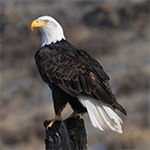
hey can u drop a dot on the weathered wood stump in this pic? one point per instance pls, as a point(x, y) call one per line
point(66, 135)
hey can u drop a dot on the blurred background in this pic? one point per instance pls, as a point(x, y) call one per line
point(116, 33)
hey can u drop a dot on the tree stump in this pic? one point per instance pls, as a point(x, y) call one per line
point(66, 135)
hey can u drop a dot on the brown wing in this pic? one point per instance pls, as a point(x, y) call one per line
point(76, 72)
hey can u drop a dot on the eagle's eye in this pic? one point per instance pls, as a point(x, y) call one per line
point(46, 21)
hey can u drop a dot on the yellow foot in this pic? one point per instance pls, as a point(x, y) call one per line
point(57, 118)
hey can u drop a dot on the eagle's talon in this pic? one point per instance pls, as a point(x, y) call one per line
point(46, 123)
point(51, 123)
point(57, 118)
point(47, 127)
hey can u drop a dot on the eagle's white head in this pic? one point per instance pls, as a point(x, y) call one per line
point(51, 30)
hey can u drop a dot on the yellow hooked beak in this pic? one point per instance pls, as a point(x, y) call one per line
point(37, 23)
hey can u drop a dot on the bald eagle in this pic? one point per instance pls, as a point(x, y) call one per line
point(75, 77)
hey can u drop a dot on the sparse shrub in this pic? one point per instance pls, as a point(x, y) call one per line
point(133, 81)
point(98, 44)
point(132, 138)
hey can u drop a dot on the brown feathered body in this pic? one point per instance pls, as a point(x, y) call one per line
point(71, 72)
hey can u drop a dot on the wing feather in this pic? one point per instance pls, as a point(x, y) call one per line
point(75, 71)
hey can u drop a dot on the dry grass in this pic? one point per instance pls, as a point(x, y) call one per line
point(98, 43)
point(133, 81)
point(133, 138)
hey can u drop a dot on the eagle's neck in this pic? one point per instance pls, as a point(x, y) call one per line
point(50, 35)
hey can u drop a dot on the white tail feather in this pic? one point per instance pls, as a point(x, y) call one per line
point(102, 116)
